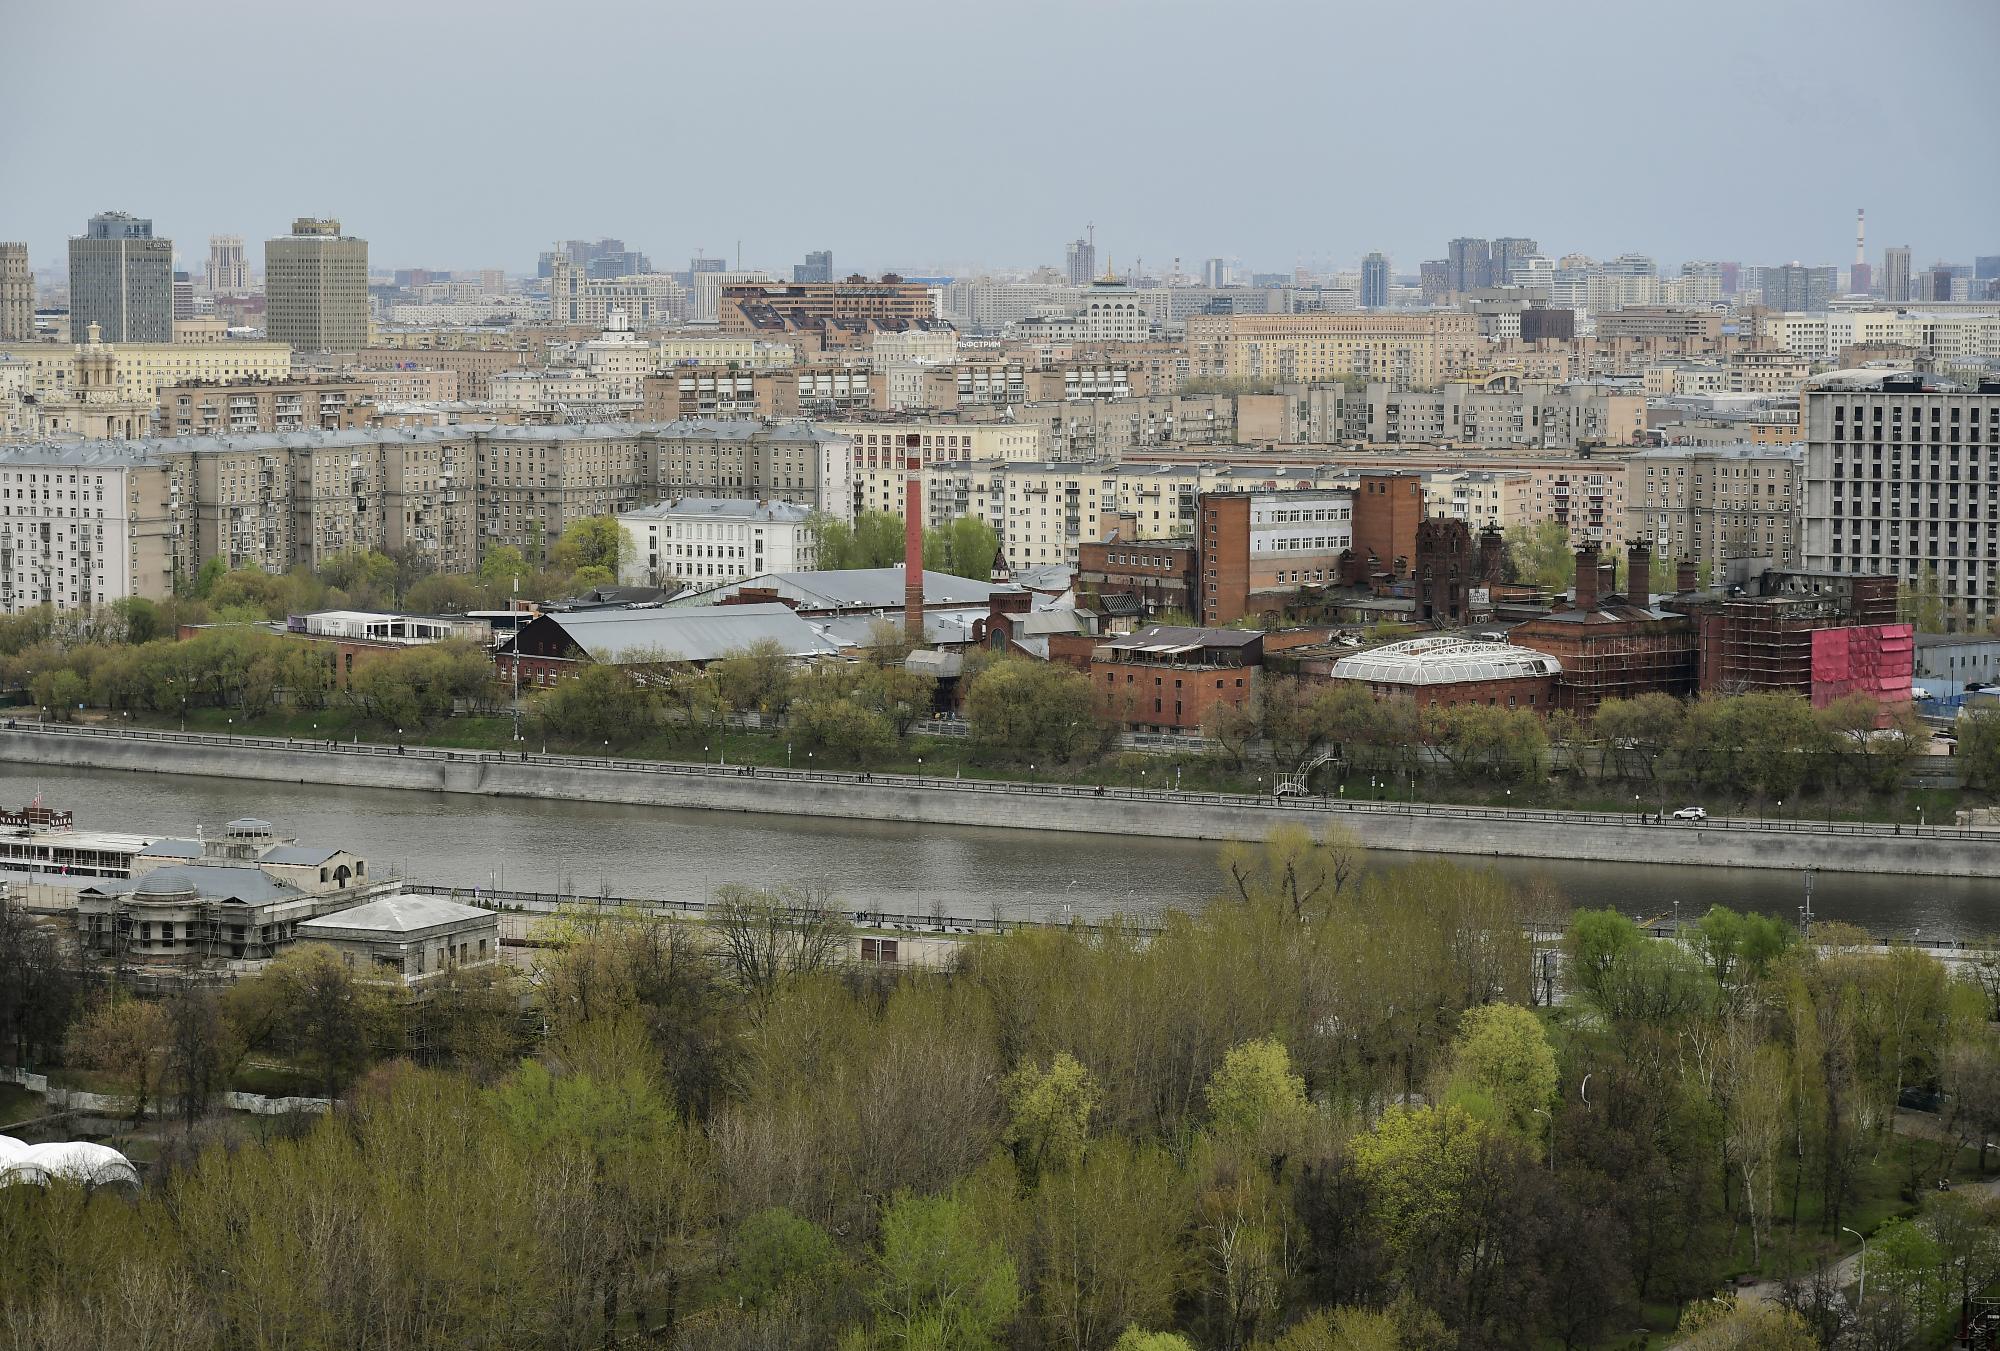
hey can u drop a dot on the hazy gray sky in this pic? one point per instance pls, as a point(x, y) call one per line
point(948, 135)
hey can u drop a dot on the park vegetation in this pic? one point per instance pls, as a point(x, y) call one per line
point(1334, 1110)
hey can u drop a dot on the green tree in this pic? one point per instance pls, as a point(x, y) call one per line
point(1503, 1058)
point(1255, 1096)
point(366, 577)
point(964, 546)
point(1979, 749)
point(844, 726)
point(942, 1284)
point(308, 1003)
point(1921, 601)
point(778, 1254)
point(1540, 555)
point(1030, 710)
point(592, 542)
point(126, 1039)
point(500, 565)
point(757, 679)
point(1050, 1113)
point(1132, 1339)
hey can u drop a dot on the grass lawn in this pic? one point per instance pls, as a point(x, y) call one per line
point(18, 1104)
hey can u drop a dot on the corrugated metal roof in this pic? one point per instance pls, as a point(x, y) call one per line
point(691, 634)
point(857, 589)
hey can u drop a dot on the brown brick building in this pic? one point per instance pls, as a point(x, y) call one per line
point(1612, 646)
point(1171, 679)
point(1259, 549)
point(1161, 574)
point(1444, 672)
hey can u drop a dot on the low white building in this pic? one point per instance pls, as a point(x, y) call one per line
point(711, 540)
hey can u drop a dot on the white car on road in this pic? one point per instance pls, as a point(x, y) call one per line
point(1691, 814)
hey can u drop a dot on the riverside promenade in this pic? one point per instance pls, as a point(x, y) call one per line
point(1742, 842)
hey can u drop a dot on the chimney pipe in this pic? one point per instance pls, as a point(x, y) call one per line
point(913, 539)
point(1607, 578)
point(1586, 577)
point(1684, 576)
point(1639, 572)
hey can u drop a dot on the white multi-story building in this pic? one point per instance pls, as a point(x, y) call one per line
point(85, 525)
point(1901, 479)
point(723, 349)
point(709, 540)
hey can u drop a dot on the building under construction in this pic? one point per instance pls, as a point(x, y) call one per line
point(1614, 646)
point(1819, 634)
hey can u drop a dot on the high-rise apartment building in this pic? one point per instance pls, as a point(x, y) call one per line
point(17, 294)
point(228, 270)
point(1897, 482)
point(1508, 255)
point(1375, 282)
point(1896, 274)
point(1215, 272)
point(183, 297)
point(1080, 261)
point(316, 288)
point(818, 266)
point(1800, 289)
point(122, 280)
point(1471, 263)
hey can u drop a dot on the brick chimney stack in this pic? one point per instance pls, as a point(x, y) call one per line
point(913, 539)
point(1639, 572)
point(1492, 550)
point(1586, 577)
point(1684, 576)
point(1607, 578)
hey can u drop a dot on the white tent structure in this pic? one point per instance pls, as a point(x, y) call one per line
point(68, 1161)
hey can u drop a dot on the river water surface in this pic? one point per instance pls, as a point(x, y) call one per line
point(597, 848)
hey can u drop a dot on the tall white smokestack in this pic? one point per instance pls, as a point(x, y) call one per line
point(1860, 235)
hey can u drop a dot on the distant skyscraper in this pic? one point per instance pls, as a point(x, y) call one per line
point(1080, 261)
point(1471, 264)
point(1375, 282)
point(1799, 289)
point(1508, 255)
point(817, 267)
point(1896, 274)
point(1215, 272)
point(228, 272)
point(183, 296)
point(1434, 280)
point(316, 288)
point(1986, 266)
point(17, 294)
point(122, 280)
point(617, 263)
point(1631, 265)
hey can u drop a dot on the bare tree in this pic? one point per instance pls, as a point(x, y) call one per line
point(769, 933)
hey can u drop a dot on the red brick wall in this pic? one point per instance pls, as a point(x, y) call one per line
point(1387, 508)
point(1223, 535)
point(1170, 698)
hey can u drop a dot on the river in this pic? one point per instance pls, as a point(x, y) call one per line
point(592, 848)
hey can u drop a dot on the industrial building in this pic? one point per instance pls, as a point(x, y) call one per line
point(1439, 671)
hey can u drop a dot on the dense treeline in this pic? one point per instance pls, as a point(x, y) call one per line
point(1331, 1111)
point(1755, 745)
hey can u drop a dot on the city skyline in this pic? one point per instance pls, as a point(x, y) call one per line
point(1674, 201)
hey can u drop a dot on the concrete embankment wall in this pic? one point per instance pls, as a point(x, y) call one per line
point(1520, 834)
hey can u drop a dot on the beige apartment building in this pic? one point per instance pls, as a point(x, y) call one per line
point(403, 385)
point(316, 288)
point(740, 350)
point(1406, 351)
point(1767, 373)
point(1482, 497)
point(798, 462)
point(17, 294)
point(1502, 410)
point(1711, 503)
point(884, 444)
point(475, 367)
point(204, 408)
point(139, 371)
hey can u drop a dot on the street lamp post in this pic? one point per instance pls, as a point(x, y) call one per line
point(1861, 1293)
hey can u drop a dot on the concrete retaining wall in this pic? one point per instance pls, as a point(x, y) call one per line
point(1419, 828)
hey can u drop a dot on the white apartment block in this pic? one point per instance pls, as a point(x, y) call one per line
point(885, 444)
point(1481, 497)
point(85, 525)
point(1504, 410)
point(709, 541)
point(1902, 477)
